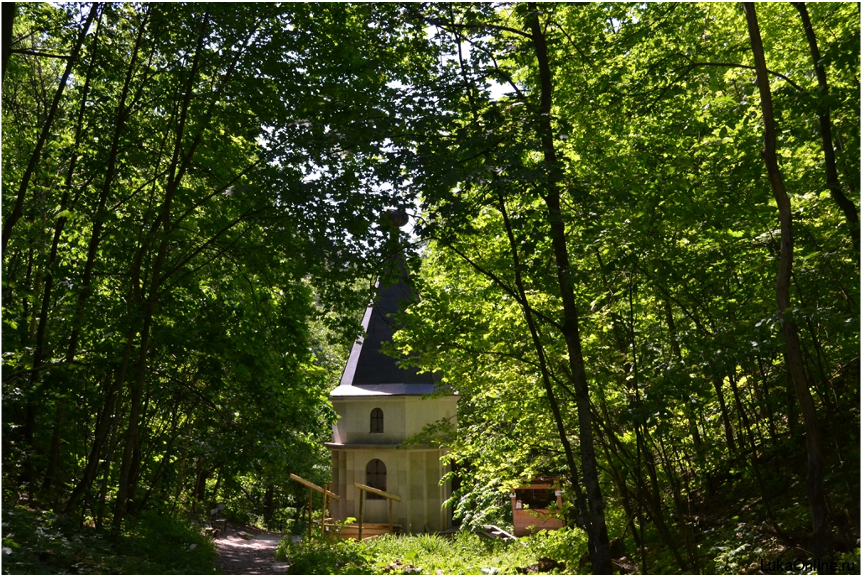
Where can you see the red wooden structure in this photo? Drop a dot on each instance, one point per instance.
(530, 506)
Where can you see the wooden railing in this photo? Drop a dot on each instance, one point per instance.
(326, 493)
(365, 488)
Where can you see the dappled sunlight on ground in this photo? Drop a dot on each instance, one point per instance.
(254, 555)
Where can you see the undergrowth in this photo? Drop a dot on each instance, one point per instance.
(42, 543)
(464, 554)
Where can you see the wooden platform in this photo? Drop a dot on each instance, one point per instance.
(352, 531)
(368, 530)
(530, 504)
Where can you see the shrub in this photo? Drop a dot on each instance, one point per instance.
(41, 543)
(465, 554)
(321, 557)
(563, 545)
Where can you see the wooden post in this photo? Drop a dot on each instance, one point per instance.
(327, 494)
(361, 500)
(310, 492)
(390, 496)
(323, 518)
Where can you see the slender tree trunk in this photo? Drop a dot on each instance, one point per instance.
(106, 475)
(643, 454)
(123, 111)
(136, 397)
(816, 494)
(677, 352)
(179, 165)
(765, 401)
(103, 493)
(747, 430)
(844, 203)
(89, 267)
(104, 424)
(725, 416)
(8, 21)
(546, 380)
(598, 533)
(641, 493)
(18, 209)
(59, 225)
(54, 454)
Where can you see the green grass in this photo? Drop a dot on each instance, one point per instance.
(41, 543)
(464, 554)
(321, 557)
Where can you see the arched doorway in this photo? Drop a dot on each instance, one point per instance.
(375, 476)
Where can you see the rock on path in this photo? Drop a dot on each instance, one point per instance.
(252, 556)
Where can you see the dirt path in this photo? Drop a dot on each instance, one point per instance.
(252, 556)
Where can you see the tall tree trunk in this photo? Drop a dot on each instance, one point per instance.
(18, 209)
(8, 21)
(677, 352)
(51, 474)
(814, 481)
(725, 416)
(89, 267)
(59, 225)
(106, 475)
(104, 425)
(765, 401)
(137, 391)
(844, 203)
(179, 165)
(598, 533)
(546, 380)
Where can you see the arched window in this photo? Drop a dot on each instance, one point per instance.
(375, 476)
(376, 420)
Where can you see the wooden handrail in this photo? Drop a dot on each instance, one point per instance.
(365, 488)
(377, 492)
(311, 485)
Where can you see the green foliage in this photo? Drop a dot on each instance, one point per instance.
(188, 260)
(465, 553)
(186, 265)
(42, 543)
(670, 228)
(563, 545)
(321, 557)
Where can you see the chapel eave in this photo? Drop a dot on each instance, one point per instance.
(386, 390)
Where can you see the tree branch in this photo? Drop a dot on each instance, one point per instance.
(41, 54)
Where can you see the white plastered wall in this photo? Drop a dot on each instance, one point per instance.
(412, 472)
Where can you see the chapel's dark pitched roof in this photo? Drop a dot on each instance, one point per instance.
(371, 372)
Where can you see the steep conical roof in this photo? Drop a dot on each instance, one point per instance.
(369, 371)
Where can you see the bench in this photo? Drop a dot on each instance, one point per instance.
(219, 525)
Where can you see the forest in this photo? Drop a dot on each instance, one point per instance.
(635, 244)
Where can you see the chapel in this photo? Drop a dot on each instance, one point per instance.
(379, 406)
